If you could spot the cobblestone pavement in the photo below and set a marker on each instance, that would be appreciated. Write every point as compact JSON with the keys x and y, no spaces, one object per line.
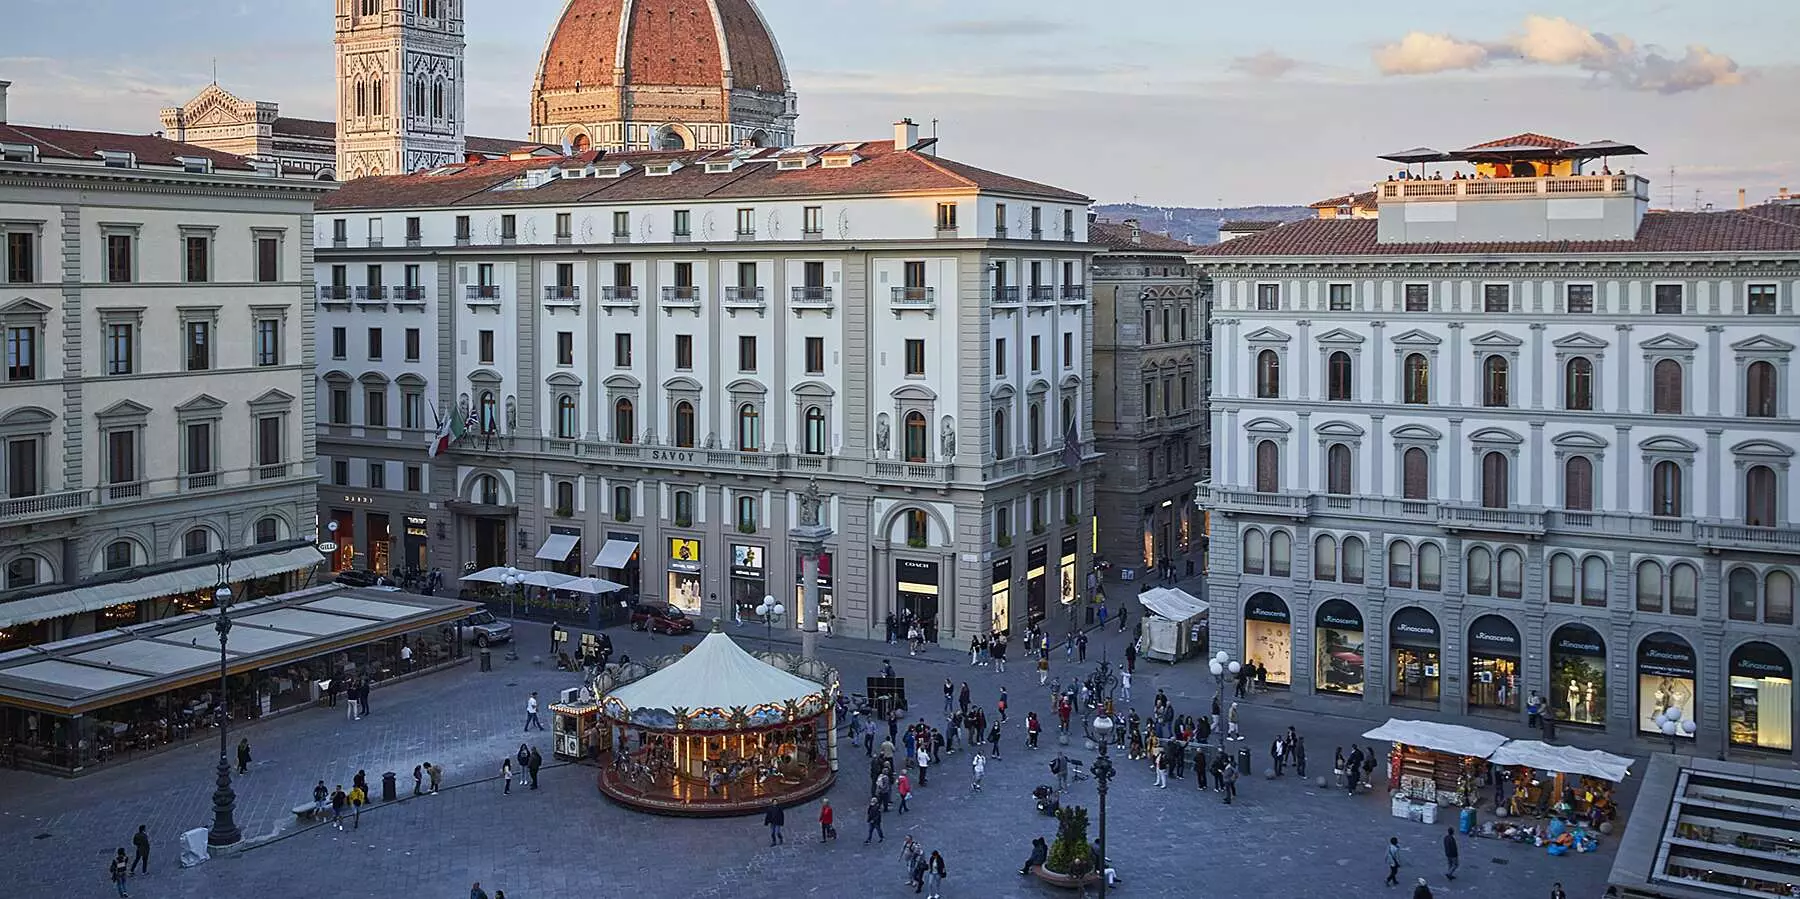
{"x":1283,"y":838}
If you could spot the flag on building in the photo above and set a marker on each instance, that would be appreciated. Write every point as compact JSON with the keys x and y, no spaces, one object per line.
{"x":448,"y":429}
{"x":1071,"y":452}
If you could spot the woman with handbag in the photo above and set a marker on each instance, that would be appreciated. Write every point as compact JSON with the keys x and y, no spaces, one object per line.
{"x":934,"y":875}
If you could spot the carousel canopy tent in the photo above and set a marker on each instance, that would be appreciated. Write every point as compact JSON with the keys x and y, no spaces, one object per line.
{"x":1566,"y":759}
{"x":1452,"y":738}
{"x":716,"y":674}
{"x":1175,"y":605}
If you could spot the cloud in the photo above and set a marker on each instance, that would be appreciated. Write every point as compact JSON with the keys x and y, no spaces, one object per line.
{"x":1267,"y":64}
{"x":999,"y":27}
{"x":1556,"y":41}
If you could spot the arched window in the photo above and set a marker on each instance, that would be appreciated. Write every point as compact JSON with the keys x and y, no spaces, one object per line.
{"x":490,"y":413}
{"x":1400,"y":564}
{"x":565,"y":498}
{"x":749,"y":429}
{"x":1355,"y":557}
{"x":1759,"y":496}
{"x":1496,"y":492}
{"x":1034,"y":428}
{"x":1338,"y":376}
{"x":437,"y":99}
{"x":1254,"y":547}
{"x":1431,"y":567}
{"x":1665,"y":489}
{"x":1684,"y":589}
{"x":1067,"y":421}
{"x":1415,"y":474}
{"x":747,"y":517}
{"x":1480,"y":575}
{"x":1665,"y":388}
{"x":1337,"y":470}
{"x":622,"y":503}
{"x":1512,"y":573}
{"x":1778,"y":598}
{"x":624,"y":421}
{"x":1740,"y":595}
{"x":22,"y":572}
{"x":684,"y":509}
{"x":1594,"y":581}
{"x":415,"y":97}
{"x":1002,"y":445}
{"x":1281,"y":554}
{"x":268,"y":530}
{"x":1578,"y":484}
{"x":579,"y":143}
{"x":362,"y":98}
{"x":1268,"y":467}
{"x":1562,"y":578}
{"x":813,"y":442}
{"x":1268,"y":375}
{"x":1494,"y":382}
{"x":1416,"y":390}
{"x":671,"y":139}
{"x":1325,"y":560}
{"x":196,"y":542}
{"x":377,"y":97}
{"x":488,"y":488}
{"x":684,"y":424}
{"x":1578,"y":384}
{"x":1649,"y":586}
{"x":566,"y":424}
{"x":917,"y":436}
{"x":917,"y":527}
{"x":120,"y":555}
{"x":1759,"y":390}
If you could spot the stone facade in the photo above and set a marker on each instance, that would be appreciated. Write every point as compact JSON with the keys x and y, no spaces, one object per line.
{"x":400,"y":88}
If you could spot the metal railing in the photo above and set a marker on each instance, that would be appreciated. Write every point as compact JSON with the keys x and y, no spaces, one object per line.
{"x":681,"y":293}
{"x":567,"y":293}
{"x":329,"y":292}
{"x":619,"y":293}
{"x":744,"y":296}
{"x":371,"y":292}
{"x":915,"y":296}
{"x":482,"y":291}
{"x":812,"y":294}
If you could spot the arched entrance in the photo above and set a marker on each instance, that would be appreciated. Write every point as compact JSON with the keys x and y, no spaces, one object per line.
{"x":1338,"y":648}
{"x":1578,"y":676}
{"x":1269,"y":637}
{"x":1665,"y":682}
{"x":1494,"y":664}
{"x":1414,"y":643}
{"x":1761,"y":702}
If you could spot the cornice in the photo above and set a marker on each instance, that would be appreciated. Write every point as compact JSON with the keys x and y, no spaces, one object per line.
{"x":1455,"y":267}
{"x":172,"y":184}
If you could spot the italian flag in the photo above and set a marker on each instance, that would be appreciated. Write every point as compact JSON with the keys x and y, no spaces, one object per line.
{"x":448,"y":429}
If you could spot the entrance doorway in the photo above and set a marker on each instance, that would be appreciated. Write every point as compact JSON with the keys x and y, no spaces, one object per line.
{"x":490,"y":542}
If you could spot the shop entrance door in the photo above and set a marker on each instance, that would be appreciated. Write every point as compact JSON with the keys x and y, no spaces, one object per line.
{"x":490,"y":542}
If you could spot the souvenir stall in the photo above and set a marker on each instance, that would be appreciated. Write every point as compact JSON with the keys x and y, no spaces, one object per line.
{"x":1562,"y":782}
{"x":573,"y":723}
{"x":717,"y":731}
{"x":1433,"y":764}
{"x":1174,"y":624}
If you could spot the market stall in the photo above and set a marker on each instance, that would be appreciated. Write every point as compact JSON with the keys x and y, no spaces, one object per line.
{"x":573,"y":725}
{"x":717,"y":731}
{"x":1550,"y":781}
{"x":1433,"y":764}
{"x":1174,"y":624}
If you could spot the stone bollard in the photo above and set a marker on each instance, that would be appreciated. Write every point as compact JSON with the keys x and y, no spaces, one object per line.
{"x":1320,"y":781}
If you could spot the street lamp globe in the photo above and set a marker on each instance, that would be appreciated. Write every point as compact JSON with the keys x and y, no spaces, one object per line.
{"x":1103,"y":727}
{"x":1234,"y":667}
{"x":1221,"y":656}
{"x":223,"y":595}
{"x":1216,"y":668}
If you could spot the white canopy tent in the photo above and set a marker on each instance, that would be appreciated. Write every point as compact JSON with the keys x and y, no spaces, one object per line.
{"x":1171,"y":623}
{"x":1565,"y":759}
{"x":593,"y":586}
{"x":1452,"y":738}
{"x":498,"y":573}
{"x":716,"y":674}
{"x":486,"y":575}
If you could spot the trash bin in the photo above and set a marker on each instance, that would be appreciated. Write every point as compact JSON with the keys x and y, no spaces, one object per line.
{"x":1243,"y":763}
{"x":487,"y":659}
{"x":388,"y":793}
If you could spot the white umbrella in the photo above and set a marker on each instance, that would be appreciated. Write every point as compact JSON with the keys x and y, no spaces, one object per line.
{"x":487,"y":575}
{"x":593,"y":586}
{"x":553,"y":579}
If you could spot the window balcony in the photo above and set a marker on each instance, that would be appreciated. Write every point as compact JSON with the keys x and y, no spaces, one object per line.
{"x":618,"y":296}
{"x":1074,"y":293}
{"x":205,"y":480}
{"x":563,"y":296}
{"x":915,"y":299}
{"x":482,"y":295}
{"x":124,"y":491}
{"x":811,"y":297}
{"x":409,"y":295}
{"x":1474,"y":517}
{"x":1001,"y":296}
{"x":1040,"y":294}
{"x":1238,"y":501}
{"x":334,"y":293}
{"x":1722,"y":535}
{"x":371,"y":293}
{"x":812,"y":233}
{"x":745,"y":299}
{"x":44,"y":507}
{"x":999,"y":232}
{"x":681,"y":296}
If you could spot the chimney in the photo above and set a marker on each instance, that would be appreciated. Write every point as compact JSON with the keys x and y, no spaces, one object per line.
{"x":1137,"y":233}
{"x":1740,"y":198}
{"x":1783,"y":193}
{"x":3,"y":86}
{"x":906,"y":134}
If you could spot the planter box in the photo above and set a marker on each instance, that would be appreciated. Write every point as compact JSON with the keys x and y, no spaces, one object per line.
{"x":1065,"y":881}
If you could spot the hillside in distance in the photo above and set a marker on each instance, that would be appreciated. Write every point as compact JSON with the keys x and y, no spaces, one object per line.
{"x":1197,"y":226}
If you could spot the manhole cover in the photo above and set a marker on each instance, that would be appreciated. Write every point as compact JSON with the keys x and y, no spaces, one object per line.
{"x":1498,"y":861}
{"x":42,"y":836}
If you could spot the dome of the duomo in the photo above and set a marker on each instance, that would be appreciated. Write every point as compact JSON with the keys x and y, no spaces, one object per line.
{"x":631,"y":73}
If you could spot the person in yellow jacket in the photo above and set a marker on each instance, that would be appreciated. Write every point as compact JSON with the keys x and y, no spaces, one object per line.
{"x":358,"y":796}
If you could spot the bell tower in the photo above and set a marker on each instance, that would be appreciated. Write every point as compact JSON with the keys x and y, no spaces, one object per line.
{"x":400,"y":86}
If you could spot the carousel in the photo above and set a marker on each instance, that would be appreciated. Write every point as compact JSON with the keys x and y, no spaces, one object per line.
{"x":716,"y":731}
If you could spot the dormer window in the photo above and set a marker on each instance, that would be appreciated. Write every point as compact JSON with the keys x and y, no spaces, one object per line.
{"x":118,"y":159}
{"x":195,"y":165}
{"x":721,"y":166}
{"x":18,"y":152}
{"x":658,"y":169}
{"x":793,"y":163}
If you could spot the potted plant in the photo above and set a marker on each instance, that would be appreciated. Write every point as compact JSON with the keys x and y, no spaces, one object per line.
{"x":1005,"y":541}
{"x":916,"y":542}
{"x":1071,"y":860}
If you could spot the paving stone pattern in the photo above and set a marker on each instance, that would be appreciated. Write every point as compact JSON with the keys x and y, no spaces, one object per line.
{"x":1283,"y":838}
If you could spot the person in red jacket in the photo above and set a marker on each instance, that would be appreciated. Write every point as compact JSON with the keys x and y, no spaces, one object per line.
{"x":826,"y":831}
{"x":1032,"y":729}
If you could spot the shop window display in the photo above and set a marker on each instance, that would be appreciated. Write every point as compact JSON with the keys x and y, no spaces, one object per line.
{"x":1493,"y":664}
{"x":1413,"y":634}
{"x":1268,"y":637}
{"x":1665,"y":674}
{"x":1578,"y":676}
{"x":1339,"y":653}
{"x":1762,"y":698}
{"x":685,"y":590}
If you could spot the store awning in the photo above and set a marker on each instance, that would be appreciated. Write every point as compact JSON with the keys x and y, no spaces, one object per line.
{"x":1453,"y":738}
{"x":1565,"y":759}
{"x":616,"y":554}
{"x":558,"y":547}
{"x":167,"y":583}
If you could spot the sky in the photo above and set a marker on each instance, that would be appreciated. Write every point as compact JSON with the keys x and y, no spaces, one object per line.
{"x":1164,"y":102}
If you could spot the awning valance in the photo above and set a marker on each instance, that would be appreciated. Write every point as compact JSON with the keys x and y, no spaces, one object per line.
{"x":616,"y":554}
{"x":167,"y":583}
{"x":558,"y":547}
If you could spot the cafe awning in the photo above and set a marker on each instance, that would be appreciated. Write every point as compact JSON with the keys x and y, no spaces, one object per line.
{"x":616,"y":554}
{"x":166,"y":583}
{"x":1452,"y":738}
{"x":557,"y":547}
{"x":95,"y":671}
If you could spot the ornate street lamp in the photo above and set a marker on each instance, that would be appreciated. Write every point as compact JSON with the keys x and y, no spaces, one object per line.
{"x":1221,"y":663}
{"x":768,"y":609}
{"x":514,"y":581}
{"x":224,"y":830}
{"x":1674,"y":726}
{"x":1103,"y":775}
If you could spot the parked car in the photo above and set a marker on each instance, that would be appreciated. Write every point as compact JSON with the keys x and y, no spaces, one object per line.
{"x":482,"y":628}
{"x":657,"y":617}
{"x":357,"y":577}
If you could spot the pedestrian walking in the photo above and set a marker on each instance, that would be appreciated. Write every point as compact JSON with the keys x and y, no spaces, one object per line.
{"x":1002,"y":705}
{"x":321,"y":798}
{"x":1043,"y":666}
{"x":476,"y":892}
{"x":1124,"y":613}
{"x":934,"y":876}
{"x":827,"y":831}
{"x":1422,"y":891}
{"x":418,"y":779}
{"x":531,"y":712}
{"x":435,"y":773}
{"x":979,"y":763}
{"x":1275,"y":756}
{"x":1300,"y":756}
{"x":1353,"y":770}
{"x":533,"y":764}
{"x":949,"y":696}
{"x":884,"y":789}
{"x":358,"y":796}
{"x":118,"y":870}
{"x":243,"y":755}
{"x":140,"y":842}
{"x":1125,"y":686}
{"x":362,"y":696}
{"x":1231,"y":779}
{"x":339,"y":801}
{"x":1161,"y":763}
{"x":1081,"y":647}
{"x":994,"y":739}
{"x":1556,"y":891}
{"x":924,"y":763}
{"x":874,"y":818}
{"x":776,"y":819}
{"x":1231,"y":723}
{"x":506,"y":772}
{"x":1032,"y":729}
{"x":1393,"y":862}
{"x":1450,"y":853}
{"x":903,"y":786}
{"x":1059,"y":766}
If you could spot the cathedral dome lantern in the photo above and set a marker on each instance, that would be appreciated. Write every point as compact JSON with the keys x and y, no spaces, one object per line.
{"x":643,"y":74}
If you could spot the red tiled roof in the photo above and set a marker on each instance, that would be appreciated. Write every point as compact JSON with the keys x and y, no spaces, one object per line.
{"x":1365,"y":199}
{"x":65,"y":143}
{"x":497,"y":146}
{"x":881,"y":170}
{"x":1759,"y":229}
{"x":667,"y":43}
{"x":313,"y":128}
{"x":1116,"y":236}
{"x":1527,"y":139}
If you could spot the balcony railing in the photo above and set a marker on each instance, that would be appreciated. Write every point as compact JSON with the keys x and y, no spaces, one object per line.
{"x":203,"y":480}
{"x":44,"y":506}
{"x":619,"y":295}
{"x":1466,"y":516}
{"x":562,"y":293}
{"x":1720,"y":535}
{"x":334,"y":293}
{"x":921,"y":299}
{"x":689,"y":458}
{"x":1074,"y":293}
{"x":1040,"y":293}
{"x":409,"y":294}
{"x":488,"y":292}
{"x":681,"y":295}
{"x":1488,"y":188}
{"x":272,"y":471}
{"x":739,"y":297}
{"x":1227,"y":499}
{"x":371,"y":292}
{"x":812,"y":295}
{"x":1003,"y":295}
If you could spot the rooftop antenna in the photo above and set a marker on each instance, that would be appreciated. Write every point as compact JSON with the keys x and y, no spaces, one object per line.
{"x":215,"y":70}
{"x":1671,"y":187}
{"x":934,"y":129}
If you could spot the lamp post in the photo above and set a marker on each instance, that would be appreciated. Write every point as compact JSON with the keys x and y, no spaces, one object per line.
{"x":1220,"y":663}
{"x":1674,"y":726}
{"x":768,"y":610}
{"x":1103,"y":775}
{"x":514,"y":581}
{"x":224,"y":830}
{"x":332,"y":526}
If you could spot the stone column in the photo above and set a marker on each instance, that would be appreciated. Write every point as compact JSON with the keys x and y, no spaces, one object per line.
{"x":809,"y":538}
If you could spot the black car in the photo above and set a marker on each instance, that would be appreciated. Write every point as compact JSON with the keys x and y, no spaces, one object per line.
{"x":357,"y":577}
